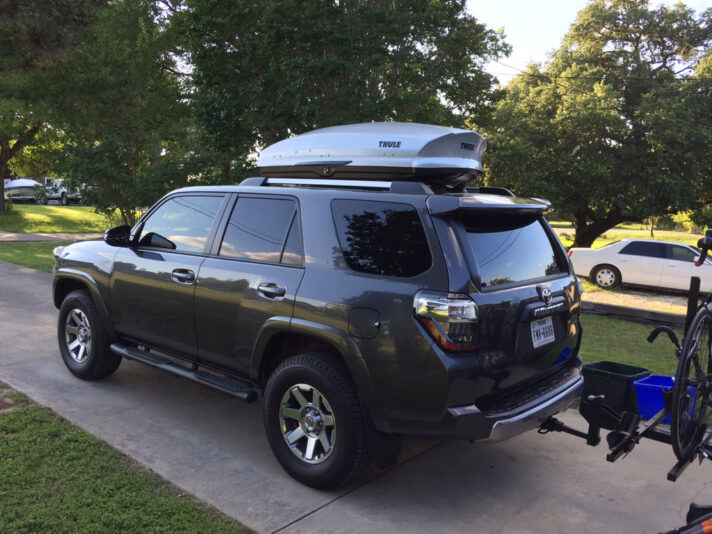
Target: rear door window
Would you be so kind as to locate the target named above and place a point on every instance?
(644, 248)
(510, 249)
(384, 238)
(263, 229)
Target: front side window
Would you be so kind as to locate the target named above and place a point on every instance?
(264, 229)
(185, 221)
(682, 253)
(510, 249)
(644, 248)
(384, 238)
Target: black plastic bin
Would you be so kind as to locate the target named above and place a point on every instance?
(615, 381)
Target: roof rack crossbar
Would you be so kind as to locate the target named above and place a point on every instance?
(363, 184)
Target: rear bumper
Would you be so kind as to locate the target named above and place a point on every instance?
(469, 422)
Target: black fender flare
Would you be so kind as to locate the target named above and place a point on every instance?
(90, 283)
(335, 337)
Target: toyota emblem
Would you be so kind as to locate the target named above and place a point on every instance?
(546, 295)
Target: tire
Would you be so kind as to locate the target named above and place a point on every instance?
(83, 340)
(311, 400)
(691, 395)
(63, 200)
(605, 276)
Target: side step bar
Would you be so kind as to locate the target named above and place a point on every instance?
(235, 388)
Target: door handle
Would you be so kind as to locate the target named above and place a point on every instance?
(183, 276)
(271, 290)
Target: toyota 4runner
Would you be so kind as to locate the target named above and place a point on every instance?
(358, 285)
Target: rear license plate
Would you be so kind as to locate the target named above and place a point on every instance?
(542, 332)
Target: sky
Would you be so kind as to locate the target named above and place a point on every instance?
(535, 27)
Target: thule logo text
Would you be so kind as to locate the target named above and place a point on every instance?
(389, 144)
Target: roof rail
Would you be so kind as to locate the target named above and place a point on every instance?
(413, 188)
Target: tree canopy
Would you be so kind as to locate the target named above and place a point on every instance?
(264, 71)
(33, 41)
(610, 129)
(125, 128)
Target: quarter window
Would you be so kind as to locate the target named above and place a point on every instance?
(263, 229)
(644, 248)
(383, 238)
(183, 220)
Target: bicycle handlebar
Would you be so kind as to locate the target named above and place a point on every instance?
(705, 244)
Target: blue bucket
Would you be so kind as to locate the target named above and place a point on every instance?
(649, 391)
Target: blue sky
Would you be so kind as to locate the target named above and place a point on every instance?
(535, 27)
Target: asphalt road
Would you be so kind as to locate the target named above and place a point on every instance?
(213, 447)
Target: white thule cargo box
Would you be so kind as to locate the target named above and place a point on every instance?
(378, 151)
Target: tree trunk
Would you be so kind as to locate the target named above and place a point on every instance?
(587, 233)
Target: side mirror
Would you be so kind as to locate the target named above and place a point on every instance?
(118, 236)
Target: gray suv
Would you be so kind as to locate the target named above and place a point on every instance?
(363, 302)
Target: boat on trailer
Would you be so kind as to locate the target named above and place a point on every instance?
(21, 188)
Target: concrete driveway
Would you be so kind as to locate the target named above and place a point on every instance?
(214, 447)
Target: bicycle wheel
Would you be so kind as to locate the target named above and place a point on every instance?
(691, 395)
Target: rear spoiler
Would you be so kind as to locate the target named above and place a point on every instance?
(440, 205)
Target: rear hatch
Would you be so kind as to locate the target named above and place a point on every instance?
(517, 273)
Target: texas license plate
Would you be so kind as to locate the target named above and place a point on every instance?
(542, 332)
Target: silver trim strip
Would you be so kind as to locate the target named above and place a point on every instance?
(500, 430)
(366, 184)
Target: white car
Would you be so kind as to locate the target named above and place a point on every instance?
(642, 262)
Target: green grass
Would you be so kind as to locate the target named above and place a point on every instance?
(626, 342)
(34, 255)
(30, 219)
(57, 478)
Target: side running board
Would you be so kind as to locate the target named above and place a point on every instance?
(233, 387)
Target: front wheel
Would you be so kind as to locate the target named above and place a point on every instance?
(83, 340)
(693, 388)
(314, 422)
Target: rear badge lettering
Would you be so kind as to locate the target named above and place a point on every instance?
(389, 144)
(467, 146)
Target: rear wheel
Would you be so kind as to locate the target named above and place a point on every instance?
(83, 340)
(693, 387)
(606, 276)
(314, 422)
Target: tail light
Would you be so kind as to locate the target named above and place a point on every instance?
(450, 320)
(569, 253)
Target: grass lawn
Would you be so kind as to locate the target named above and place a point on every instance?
(34, 255)
(57, 478)
(31, 219)
(626, 342)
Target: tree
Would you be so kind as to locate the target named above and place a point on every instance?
(267, 70)
(33, 39)
(587, 130)
(126, 125)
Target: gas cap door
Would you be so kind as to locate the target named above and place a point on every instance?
(364, 323)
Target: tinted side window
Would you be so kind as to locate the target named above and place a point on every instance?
(681, 253)
(184, 220)
(383, 238)
(258, 230)
(644, 248)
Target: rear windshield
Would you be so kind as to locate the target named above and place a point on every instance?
(510, 249)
